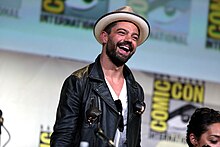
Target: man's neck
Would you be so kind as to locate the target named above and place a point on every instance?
(110, 69)
(113, 74)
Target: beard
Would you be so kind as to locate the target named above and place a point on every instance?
(117, 58)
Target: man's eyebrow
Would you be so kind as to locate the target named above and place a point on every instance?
(121, 29)
(215, 135)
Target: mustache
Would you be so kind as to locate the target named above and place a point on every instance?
(206, 145)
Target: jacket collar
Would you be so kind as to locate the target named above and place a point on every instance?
(97, 72)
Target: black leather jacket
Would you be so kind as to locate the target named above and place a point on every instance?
(83, 89)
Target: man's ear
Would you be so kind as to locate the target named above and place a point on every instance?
(193, 139)
(104, 37)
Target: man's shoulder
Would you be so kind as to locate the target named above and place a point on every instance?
(82, 72)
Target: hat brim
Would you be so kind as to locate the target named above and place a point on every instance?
(107, 19)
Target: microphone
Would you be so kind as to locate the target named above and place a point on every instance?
(1, 125)
(1, 121)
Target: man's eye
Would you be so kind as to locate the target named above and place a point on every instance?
(135, 38)
(214, 141)
(121, 33)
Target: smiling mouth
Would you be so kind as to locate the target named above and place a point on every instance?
(125, 48)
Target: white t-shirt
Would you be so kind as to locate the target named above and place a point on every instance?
(120, 137)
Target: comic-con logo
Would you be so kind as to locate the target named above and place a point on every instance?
(213, 27)
(173, 102)
(45, 135)
(78, 13)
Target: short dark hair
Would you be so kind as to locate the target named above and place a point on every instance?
(109, 27)
(200, 120)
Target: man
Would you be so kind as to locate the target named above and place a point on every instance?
(101, 104)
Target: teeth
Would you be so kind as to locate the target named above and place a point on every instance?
(124, 48)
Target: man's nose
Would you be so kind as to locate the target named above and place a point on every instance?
(128, 38)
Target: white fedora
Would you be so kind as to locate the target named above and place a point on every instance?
(125, 13)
